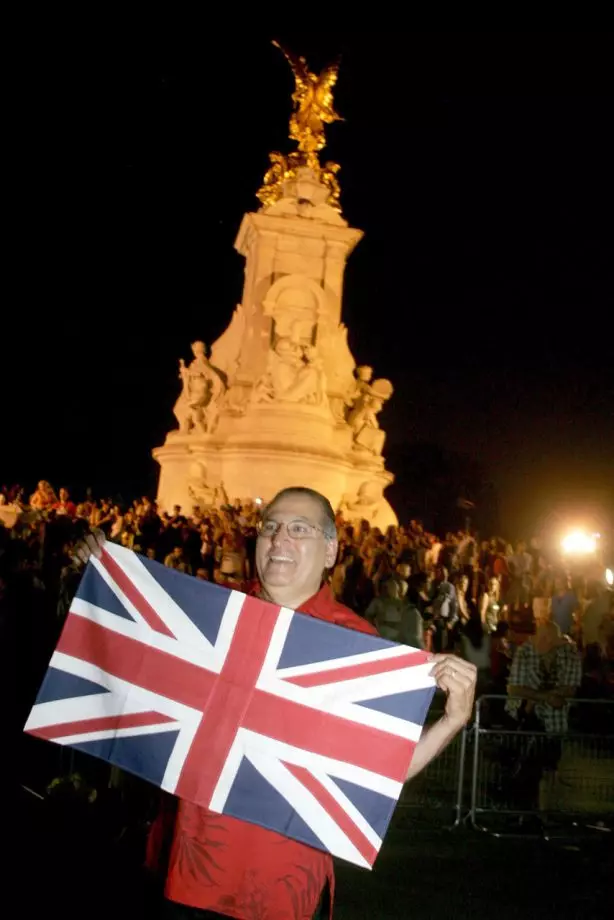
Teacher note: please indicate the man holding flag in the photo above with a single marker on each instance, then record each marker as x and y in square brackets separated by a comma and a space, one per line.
[221, 866]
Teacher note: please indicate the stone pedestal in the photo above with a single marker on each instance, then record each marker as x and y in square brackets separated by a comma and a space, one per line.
[289, 375]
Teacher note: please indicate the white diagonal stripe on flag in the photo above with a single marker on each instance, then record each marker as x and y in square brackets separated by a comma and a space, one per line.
[80, 708]
[350, 809]
[331, 664]
[86, 737]
[166, 608]
[254, 742]
[306, 696]
[117, 591]
[374, 686]
[202, 657]
[130, 693]
[307, 807]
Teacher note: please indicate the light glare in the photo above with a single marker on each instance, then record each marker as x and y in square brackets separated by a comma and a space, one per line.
[578, 543]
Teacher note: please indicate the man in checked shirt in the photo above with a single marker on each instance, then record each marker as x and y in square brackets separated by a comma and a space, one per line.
[545, 674]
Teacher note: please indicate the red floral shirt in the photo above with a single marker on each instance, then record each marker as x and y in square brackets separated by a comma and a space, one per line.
[242, 870]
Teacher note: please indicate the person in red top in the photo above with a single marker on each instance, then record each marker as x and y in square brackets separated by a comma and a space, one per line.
[220, 866]
[64, 505]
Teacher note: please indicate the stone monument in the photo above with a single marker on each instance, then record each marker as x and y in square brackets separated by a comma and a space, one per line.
[280, 400]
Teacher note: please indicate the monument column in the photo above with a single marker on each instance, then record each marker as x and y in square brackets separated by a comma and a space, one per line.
[280, 401]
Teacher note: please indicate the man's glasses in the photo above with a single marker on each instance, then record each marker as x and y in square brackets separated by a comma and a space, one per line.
[296, 530]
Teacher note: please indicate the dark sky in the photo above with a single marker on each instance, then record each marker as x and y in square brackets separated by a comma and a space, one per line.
[479, 166]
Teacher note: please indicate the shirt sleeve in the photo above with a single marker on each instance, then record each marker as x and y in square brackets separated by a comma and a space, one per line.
[522, 672]
[571, 668]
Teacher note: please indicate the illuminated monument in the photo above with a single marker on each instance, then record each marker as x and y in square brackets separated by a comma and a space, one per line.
[280, 401]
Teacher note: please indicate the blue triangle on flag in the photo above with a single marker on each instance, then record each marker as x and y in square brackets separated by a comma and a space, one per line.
[411, 705]
[94, 590]
[252, 798]
[144, 755]
[201, 601]
[59, 685]
[374, 806]
[305, 644]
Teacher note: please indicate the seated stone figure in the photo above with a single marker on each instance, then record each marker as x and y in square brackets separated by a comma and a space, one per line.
[294, 374]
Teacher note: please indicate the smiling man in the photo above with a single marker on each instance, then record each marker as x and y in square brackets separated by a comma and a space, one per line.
[222, 866]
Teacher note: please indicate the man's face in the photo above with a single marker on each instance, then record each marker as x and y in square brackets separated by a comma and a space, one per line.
[293, 567]
[63, 495]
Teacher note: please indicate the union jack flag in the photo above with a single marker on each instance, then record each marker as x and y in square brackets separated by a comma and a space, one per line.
[238, 705]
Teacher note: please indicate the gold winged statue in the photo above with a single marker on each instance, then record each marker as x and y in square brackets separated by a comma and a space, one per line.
[313, 108]
[313, 98]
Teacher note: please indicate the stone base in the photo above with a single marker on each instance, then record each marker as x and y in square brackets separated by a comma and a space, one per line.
[267, 449]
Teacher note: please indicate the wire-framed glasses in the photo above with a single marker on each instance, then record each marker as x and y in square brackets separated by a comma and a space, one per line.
[296, 530]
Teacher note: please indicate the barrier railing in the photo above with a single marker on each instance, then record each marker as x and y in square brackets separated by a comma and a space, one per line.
[491, 773]
[438, 793]
[562, 777]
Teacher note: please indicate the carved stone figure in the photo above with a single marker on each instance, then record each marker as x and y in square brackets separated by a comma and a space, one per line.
[365, 504]
[362, 417]
[361, 386]
[294, 373]
[198, 405]
[203, 492]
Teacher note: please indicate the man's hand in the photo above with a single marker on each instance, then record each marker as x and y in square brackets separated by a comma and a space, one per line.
[457, 678]
[91, 545]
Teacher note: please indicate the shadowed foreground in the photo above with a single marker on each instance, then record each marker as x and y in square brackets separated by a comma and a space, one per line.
[421, 873]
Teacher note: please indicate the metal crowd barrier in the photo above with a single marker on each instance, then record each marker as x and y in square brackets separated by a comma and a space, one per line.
[537, 779]
[492, 777]
[438, 794]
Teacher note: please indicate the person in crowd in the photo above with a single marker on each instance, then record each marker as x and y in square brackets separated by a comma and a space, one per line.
[394, 617]
[490, 605]
[545, 674]
[176, 560]
[476, 647]
[564, 605]
[520, 564]
[64, 505]
[443, 610]
[596, 612]
[44, 497]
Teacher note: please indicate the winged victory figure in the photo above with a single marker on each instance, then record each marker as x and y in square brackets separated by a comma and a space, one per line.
[313, 99]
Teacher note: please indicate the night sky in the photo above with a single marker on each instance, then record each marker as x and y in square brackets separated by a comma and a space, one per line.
[480, 168]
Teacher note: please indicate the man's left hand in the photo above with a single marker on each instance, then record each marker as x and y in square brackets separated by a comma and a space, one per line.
[457, 678]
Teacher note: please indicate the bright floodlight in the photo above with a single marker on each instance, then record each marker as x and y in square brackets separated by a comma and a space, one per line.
[609, 577]
[578, 543]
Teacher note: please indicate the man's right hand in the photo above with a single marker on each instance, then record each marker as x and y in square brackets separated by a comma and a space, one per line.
[91, 545]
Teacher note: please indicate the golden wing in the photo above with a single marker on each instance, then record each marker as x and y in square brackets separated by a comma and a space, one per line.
[299, 68]
[324, 88]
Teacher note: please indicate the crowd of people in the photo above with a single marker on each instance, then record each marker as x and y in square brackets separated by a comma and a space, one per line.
[535, 632]
[479, 598]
